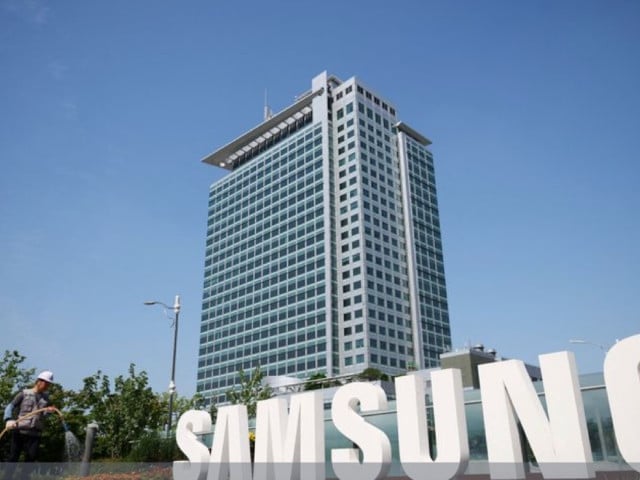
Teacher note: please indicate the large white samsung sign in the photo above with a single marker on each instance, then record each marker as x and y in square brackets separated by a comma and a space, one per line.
[290, 437]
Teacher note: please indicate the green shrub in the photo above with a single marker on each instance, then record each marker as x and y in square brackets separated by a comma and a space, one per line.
[153, 473]
[153, 447]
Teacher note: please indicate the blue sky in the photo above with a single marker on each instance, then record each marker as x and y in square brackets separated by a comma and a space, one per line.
[106, 109]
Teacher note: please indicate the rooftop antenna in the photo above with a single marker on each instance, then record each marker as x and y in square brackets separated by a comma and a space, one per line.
[267, 110]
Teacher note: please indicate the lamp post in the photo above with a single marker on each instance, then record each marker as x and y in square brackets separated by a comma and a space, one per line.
[586, 342]
[172, 383]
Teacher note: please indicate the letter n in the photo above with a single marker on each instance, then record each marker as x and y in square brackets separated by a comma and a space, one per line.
[559, 442]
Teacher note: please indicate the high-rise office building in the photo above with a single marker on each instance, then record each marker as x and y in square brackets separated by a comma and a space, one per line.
[323, 250]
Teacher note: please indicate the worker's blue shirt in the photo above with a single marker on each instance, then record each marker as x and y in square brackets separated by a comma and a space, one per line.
[8, 412]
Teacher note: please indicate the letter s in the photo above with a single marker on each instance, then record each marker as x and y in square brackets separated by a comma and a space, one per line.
[197, 453]
[375, 445]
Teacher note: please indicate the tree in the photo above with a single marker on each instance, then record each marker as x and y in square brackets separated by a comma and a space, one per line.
[154, 446]
[251, 390]
[372, 374]
[123, 414]
[13, 376]
[315, 382]
[319, 380]
[53, 444]
[182, 404]
[213, 412]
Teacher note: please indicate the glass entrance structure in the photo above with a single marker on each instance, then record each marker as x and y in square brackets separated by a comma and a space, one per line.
[605, 453]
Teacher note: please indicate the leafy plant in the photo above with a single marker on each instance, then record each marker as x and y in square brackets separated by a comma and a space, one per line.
[318, 381]
[129, 414]
[152, 473]
[154, 447]
[372, 374]
[123, 413]
[13, 376]
[315, 382]
[251, 390]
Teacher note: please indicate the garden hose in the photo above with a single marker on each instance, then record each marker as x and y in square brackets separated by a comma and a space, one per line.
[37, 412]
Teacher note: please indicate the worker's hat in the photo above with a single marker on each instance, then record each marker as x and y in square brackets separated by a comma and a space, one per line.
[46, 376]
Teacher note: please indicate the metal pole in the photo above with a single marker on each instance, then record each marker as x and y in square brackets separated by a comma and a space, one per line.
[92, 428]
[172, 384]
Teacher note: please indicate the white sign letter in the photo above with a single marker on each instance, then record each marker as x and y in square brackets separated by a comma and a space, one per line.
[622, 378]
[197, 453]
[290, 446]
[375, 446]
[230, 448]
[450, 422]
[560, 442]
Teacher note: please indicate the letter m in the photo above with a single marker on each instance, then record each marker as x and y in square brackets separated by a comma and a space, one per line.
[290, 445]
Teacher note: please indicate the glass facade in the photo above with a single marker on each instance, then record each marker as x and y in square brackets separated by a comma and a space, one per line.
[429, 263]
[265, 275]
[323, 249]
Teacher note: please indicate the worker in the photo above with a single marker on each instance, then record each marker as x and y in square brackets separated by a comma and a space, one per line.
[26, 429]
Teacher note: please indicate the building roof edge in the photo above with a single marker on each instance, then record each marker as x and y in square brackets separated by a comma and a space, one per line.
[220, 157]
[403, 127]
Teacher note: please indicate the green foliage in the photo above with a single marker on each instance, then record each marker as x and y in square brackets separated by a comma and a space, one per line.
[372, 374]
[123, 414]
[129, 414]
[251, 390]
[13, 376]
[318, 381]
[213, 412]
[154, 472]
[180, 405]
[154, 447]
[315, 382]
[52, 445]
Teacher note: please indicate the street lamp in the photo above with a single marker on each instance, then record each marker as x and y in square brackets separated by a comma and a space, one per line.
[586, 342]
[172, 383]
